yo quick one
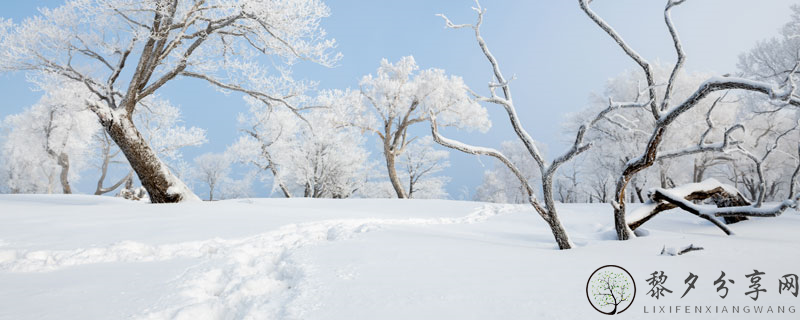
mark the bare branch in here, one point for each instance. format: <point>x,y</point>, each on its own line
<point>584,4</point>
<point>678,48</point>
<point>460,146</point>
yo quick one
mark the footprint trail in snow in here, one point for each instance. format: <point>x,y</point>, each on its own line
<point>247,278</point>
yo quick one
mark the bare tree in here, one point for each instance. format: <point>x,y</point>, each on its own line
<point>212,169</point>
<point>547,209</point>
<point>761,191</point>
<point>665,113</point>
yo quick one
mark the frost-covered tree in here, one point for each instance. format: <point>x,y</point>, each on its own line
<point>49,139</point>
<point>626,133</point>
<point>665,110</point>
<point>766,156</point>
<point>774,61</point>
<point>212,169</point>
<point>161,125</point>
<point>125,51</point>
<point>399,95</point>
<point>419,164</point>
<point>308,152</point>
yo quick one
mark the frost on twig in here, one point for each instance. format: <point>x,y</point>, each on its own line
<point>759,164</point>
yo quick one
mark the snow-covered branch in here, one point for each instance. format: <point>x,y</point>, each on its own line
<point>476,150</point>
<point>584,4</point>
<point>667,115</point>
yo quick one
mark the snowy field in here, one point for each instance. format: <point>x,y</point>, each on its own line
<point>87,257</point>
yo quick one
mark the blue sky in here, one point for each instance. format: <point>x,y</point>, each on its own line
<point>558,55</point>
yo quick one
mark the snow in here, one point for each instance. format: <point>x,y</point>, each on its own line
<point>88,257</point>
<point>679,192</point>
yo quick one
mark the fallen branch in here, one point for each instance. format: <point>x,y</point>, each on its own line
<point>720,194</point>
<point>673,252</point>
<point>682,197</point>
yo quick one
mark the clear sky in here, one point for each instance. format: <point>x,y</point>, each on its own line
<point>558,55</point>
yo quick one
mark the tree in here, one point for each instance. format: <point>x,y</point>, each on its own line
<point>665,113</point>
<point>161,125</point>
<point>212,169</point>
<point>610,289</point>
<point>774,61</point>
<point>48,139</point>
<point>309,152</point>
<point>627,133</point>
<point>547,169</point>
<point>98,42</point>
<point>420,162</point>
<point>399,96</point>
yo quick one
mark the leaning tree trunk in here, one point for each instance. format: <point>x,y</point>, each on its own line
<point>161,185</point>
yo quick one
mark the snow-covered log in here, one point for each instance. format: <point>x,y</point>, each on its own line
<point>730,204</point>
<point>675,252</point>
<point>720,194</point>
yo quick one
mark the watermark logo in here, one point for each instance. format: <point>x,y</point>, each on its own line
<point>611,289</point>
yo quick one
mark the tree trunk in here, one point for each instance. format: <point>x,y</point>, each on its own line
<point>161,185</point>
<point>63,162</point>
<point>559,233</point>
<point>100,190</point>
<point>639,193</point>
<point>396,184</point>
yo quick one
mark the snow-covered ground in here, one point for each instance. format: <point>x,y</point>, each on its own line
<point>87,257</point>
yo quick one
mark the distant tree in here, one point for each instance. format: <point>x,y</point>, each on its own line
<point>212,169</point>
<point>420,163</point>
<point>49,139</point>
<point>399,96</point>
<point>772,60</point>
<point>309,152</point>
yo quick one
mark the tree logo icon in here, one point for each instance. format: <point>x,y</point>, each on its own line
<point>611,289</point>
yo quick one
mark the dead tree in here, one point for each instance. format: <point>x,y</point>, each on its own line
<point>761,184</point>
<point>665,113</point>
